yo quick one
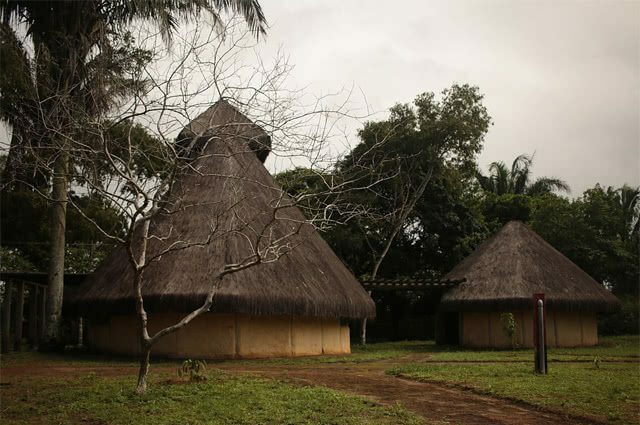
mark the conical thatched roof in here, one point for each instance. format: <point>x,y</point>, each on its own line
<point>507,269</point>
<point>231,196</point>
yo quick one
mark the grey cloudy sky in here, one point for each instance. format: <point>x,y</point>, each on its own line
<point>561,79</point>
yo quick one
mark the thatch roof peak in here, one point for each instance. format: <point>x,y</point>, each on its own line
<point>506,270</point>
<point>231,196</point>
<point>221,120</point>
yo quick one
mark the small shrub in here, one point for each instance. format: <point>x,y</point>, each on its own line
<point>194,370</point>
<point>626,321</point>
<point>509,326</point>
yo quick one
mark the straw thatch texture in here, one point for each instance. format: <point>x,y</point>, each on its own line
<point>216,122</point>
<point>506,270</point>
<point>230,196</point>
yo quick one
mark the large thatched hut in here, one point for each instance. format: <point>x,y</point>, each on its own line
<point>221,209</point>
<point>502,275</point>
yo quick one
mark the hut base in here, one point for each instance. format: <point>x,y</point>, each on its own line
<point>219,336</point>
<point>564,329</point>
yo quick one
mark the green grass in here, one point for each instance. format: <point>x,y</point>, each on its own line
<point>610,391</point>
<point>222,399</point>
<point>626,347</point>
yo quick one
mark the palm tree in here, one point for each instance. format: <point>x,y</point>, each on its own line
<point>630,202</point>
<point>62,72</point>
<point>517,180</point>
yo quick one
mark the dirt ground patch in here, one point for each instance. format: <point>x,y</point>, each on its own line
<point>435,402</point>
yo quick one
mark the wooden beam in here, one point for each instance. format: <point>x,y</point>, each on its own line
<point>33,316</point>
<point>42,311</point>
<point>18,316</point>
<point>6,318</point>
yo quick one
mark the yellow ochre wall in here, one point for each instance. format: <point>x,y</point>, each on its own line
<point>225,336</point>
<point>564,329</point>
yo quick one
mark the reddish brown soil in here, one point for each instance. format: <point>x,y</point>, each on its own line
<point>435,402</point>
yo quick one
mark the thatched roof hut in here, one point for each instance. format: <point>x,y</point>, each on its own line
<point>223,203</point>
<point>508,268</point>
<point>504,272</point>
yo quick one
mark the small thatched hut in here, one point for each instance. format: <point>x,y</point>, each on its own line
<point>502,275</point>
<point>290,307</point>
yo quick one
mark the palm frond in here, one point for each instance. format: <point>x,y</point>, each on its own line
<point>500,176</point>
<point>167,13</point>
<point>485,182</point>
<point>520,174</point>
<point>547,185</point>
<point>17,89</point>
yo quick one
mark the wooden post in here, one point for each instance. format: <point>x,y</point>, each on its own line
<point>540,334</point>
<point>42,312</point>
<point>80,332</point>
<point>6,318</point>
<point>18,317</point>
<point>33,317</point>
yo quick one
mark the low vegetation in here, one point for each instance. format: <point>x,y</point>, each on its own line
<point>221,399</point>
<point>601,382</point>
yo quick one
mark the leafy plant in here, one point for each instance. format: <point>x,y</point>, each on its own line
<point>509,326</point>
<point>194,370</point>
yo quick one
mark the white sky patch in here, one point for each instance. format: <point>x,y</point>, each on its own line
<point>561,79</point>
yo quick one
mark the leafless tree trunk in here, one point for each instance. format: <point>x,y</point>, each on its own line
<point>57,224</point>
<point>205,66</point>
<point>145,354</point>
<point>407,204</point>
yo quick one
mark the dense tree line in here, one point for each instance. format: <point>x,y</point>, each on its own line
<point>460,206</point>
<point>427,203</point>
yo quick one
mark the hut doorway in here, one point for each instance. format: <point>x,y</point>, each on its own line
<point>450,328</point>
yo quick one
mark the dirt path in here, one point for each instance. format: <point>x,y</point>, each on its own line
<point>435,402</point>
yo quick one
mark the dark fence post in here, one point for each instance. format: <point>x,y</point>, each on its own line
<point>42,310</point>
<point>6,318</point>
<point>18,317</point>
<point>33,317</point>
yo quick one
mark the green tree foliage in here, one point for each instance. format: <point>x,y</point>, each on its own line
<point>79,59</point>
<point>517,180</point>
<point>500,209</point>
<point>432,141</point>
<point>594,231</point>
<point>24,231</point>
<point>11,259</point>
<point>418,153</point>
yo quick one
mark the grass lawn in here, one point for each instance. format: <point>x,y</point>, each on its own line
<point>222,399</point>
<point>626,347</point>
<point>610,391</point>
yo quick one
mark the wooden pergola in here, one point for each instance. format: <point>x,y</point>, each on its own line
<point>409,284</point>
<point>29,288</point>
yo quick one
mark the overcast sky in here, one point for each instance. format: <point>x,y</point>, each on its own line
<point>561,79</point>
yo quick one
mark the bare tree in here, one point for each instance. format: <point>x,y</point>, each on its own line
<point>70,62</point>
<point>400,156</point>
<point>145,182</point>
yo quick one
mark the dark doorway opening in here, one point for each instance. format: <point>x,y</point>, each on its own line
<point>448,328</point>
